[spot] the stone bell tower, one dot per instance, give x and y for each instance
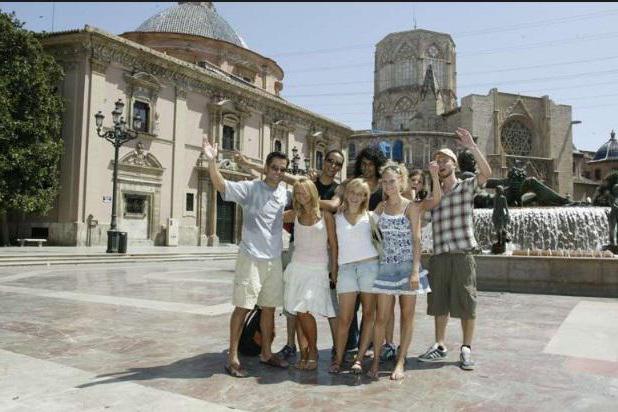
(414, 80)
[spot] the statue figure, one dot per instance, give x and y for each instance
(603, 194)
(613, 222)
(524, 191)
(501, 219)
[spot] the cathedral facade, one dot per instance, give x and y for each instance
(415, 112)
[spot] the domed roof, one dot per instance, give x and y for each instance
(196, 18)
(609, 151)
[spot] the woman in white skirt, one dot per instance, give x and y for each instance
(306, 281)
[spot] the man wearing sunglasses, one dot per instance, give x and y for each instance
(259, 276)
(330, 199)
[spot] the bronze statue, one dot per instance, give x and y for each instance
(521, 190)
(501, 219)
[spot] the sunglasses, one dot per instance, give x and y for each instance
(278, 169)
(334, 162)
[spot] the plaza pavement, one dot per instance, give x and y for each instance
(152, 336)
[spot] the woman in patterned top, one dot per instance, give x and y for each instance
(400, 272)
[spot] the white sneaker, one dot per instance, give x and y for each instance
(465, 359)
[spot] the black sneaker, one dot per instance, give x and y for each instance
(287, 352)
(433, 354)
(465, 359)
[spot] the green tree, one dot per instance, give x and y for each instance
(30, 122)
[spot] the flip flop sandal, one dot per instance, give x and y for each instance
(300, 365)
(236, 371)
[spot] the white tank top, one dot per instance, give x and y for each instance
(310, 243)
(354, 241)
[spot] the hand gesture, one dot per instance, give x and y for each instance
(465, 138)
(433, 167)
(312, 174)
(210, 151)
(240, 159)
(414, 281)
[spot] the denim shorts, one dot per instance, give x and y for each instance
(357, 276)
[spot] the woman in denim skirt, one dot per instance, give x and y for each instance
(400, 273)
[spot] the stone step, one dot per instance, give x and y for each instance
(111, 258)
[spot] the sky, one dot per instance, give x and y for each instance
(564, 50)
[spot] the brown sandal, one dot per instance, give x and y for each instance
(335, 368)
(275, 361)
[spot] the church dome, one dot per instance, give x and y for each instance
(609, 151)
(195, 18)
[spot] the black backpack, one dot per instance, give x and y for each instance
(250, 343)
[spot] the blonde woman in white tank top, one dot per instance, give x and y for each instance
(306, 282)
(357, 269)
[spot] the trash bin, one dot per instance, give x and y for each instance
(122, 242)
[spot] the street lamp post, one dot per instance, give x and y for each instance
(117, 136)
(295, 170)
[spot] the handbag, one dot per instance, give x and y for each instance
(376, 235)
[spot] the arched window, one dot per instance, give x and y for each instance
(351, 151)
(277, 146)
(228, 138)
(516, 138)
(398, 151)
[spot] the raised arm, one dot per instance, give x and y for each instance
(331, 205)
(210, 152)
(333, 248)
(466, 140)
(436, 194)
(243, 161)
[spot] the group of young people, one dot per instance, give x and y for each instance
(334, 238)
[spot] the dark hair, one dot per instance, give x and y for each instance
(276, 155)
(421, 194)
(339, 152)
(417, 172)
(372, 154)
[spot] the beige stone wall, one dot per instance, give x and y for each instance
(163, 164)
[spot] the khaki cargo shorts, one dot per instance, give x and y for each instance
(257, 282)
(452, 278)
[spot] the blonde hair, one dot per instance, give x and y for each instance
(314, 200)
(357, 185)
(397, 168)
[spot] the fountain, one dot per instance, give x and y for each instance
(548, 228)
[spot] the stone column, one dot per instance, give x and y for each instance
(178, 154)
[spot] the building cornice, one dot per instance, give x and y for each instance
(109, 48)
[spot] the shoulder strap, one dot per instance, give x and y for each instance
(405, 211)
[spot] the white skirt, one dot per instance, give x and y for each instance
(307, 289)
